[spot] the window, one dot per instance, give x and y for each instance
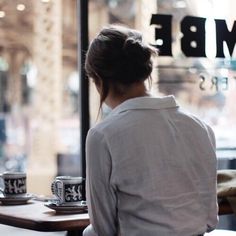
(39, 89)
(204, 85)
(39, 77)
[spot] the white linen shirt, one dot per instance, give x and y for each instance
(151, 171)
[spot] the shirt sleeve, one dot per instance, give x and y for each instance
(100, 194)
(213, 211)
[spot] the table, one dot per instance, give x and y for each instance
(36, 216)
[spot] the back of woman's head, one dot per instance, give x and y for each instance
(118, 56)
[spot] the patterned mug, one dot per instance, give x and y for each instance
(67, 189)
(14, 184)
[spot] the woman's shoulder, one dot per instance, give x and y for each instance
(108, 126)
(195, 120)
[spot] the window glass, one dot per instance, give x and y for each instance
(202, 80)
(39, 89)
(197, 57)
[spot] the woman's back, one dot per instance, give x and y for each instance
(161, 165)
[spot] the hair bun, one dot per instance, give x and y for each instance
(136, 51)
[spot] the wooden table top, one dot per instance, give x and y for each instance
(36, 216)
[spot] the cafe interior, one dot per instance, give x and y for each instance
(47, 105)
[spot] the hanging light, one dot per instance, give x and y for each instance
(20, 7)
(45, 1)
(180, 4)
(2, 14)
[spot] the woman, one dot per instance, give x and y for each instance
(151, 168)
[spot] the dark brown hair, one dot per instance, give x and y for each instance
(119, 57)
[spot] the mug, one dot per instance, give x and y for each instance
(14, 184)
(67, 189)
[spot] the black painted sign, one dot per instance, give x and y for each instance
(193, 30)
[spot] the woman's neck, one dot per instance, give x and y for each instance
(135, 90)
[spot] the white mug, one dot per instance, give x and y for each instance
(14, 184)
(67, 189)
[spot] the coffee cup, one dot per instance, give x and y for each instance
(67, 189)
(14, 184)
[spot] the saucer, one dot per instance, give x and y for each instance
(16, 200)
(64, 209)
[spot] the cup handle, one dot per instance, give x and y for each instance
(56, 189)
(2, 191)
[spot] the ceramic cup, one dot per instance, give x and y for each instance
(14, 184)
(67, 189)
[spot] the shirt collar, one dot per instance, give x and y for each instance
(146, 103)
